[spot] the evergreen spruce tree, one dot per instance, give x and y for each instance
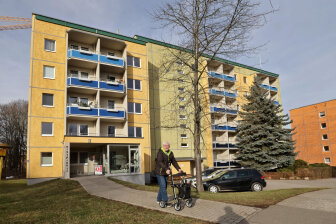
(263, 141)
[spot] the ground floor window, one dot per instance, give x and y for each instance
(124, 159)
(46, 158)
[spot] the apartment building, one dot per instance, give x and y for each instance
(97, 104)
(315, 132)
(227, 84)
(88, 103)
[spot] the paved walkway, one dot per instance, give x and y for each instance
(309, 208)
(212, 211)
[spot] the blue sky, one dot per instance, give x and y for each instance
(300, 41)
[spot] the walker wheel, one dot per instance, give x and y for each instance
(189, 203)
(162, 204)
(177, 206)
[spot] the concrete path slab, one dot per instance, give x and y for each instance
(212, 211)
(287, 184)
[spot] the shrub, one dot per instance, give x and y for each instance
(299, 163)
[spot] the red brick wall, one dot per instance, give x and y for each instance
(308, 130)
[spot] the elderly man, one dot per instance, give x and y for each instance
(164, 156)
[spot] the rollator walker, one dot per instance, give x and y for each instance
(184, 191)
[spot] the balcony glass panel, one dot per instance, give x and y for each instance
(82, 55)
(111, 60)
(86, 83)
(223, 128)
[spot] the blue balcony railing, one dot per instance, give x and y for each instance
(223, 110)
(221, 76)
(79, 82)
(82, 55)
(75, 110)
(269, 87)
(223, 128)
(276, 103)
(111, 60)
(118, 87)
(114, 113)
(222, 93)
(223, 146)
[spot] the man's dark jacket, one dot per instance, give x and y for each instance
(162, 162)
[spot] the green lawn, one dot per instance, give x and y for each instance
(260, 199)
(65, 201)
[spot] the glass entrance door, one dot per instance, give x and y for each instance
(134, 159)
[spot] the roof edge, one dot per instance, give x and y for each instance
(312, 104)
(146, 39)
(87, 28)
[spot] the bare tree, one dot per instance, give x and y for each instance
(13, 131)
(207, 29)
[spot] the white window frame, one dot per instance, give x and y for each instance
(133, 62)
(183, 118)
(186, 136)
(79, 132)
(134, 129)
(52, 128)
(186, 146)
(69, 128)
(181, 98)
(114, 130)
(325, 160)
(181, 107)
(325, 126)
(179, 62)
(324, 138)
(181, 89)
(324, 148)
(134, 108)
(323, 112)
(180, 72)
(79, 158)
(53, 100)
(49, 50)
(133, 80)
(180, 80)
(52, 159)
(184, 126)
(50, 67)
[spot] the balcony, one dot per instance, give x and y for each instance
(217, 145)
(86, 55)
(276, 103)
(112, 113)
(272, 88)
(112, 60)
(223, 110)
(114, 86)
(223, 128)
(82, 82)
(78, 110)
(222, 93)
(221, 76)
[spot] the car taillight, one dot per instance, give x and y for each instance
(262, 177)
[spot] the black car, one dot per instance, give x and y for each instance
(236, 179)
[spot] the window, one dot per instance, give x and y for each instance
(133, 84)
(180, 72)
(73, 157)
(47, 100)
(326, 148)
(180, 80)
(182, 107)
(111, 131)
(83, 157)
(180, 63)
(183, 126)
(84, 129)
(184, 136)
(46, 158)
(325, 137)
(242, 173)
(181, 98)
(135, 132)
(181, 89)
(111, 78)
(183, 117)
(134, 108)
(47, 129)
(73, 129)
(246, 93)
(326, 160)
(84, 75)
(323, 125)
(230, 175)
(84, 48)
(184, 145)
(73, 100)
(110, 104)
(322, 114)
(111, 54)
(245, 80)
(133, 61)
(49, 45)
(48, 72)
(75, 47)
(74, 73)
(84, 102)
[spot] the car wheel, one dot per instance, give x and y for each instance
(213, 189)
(256, 187)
